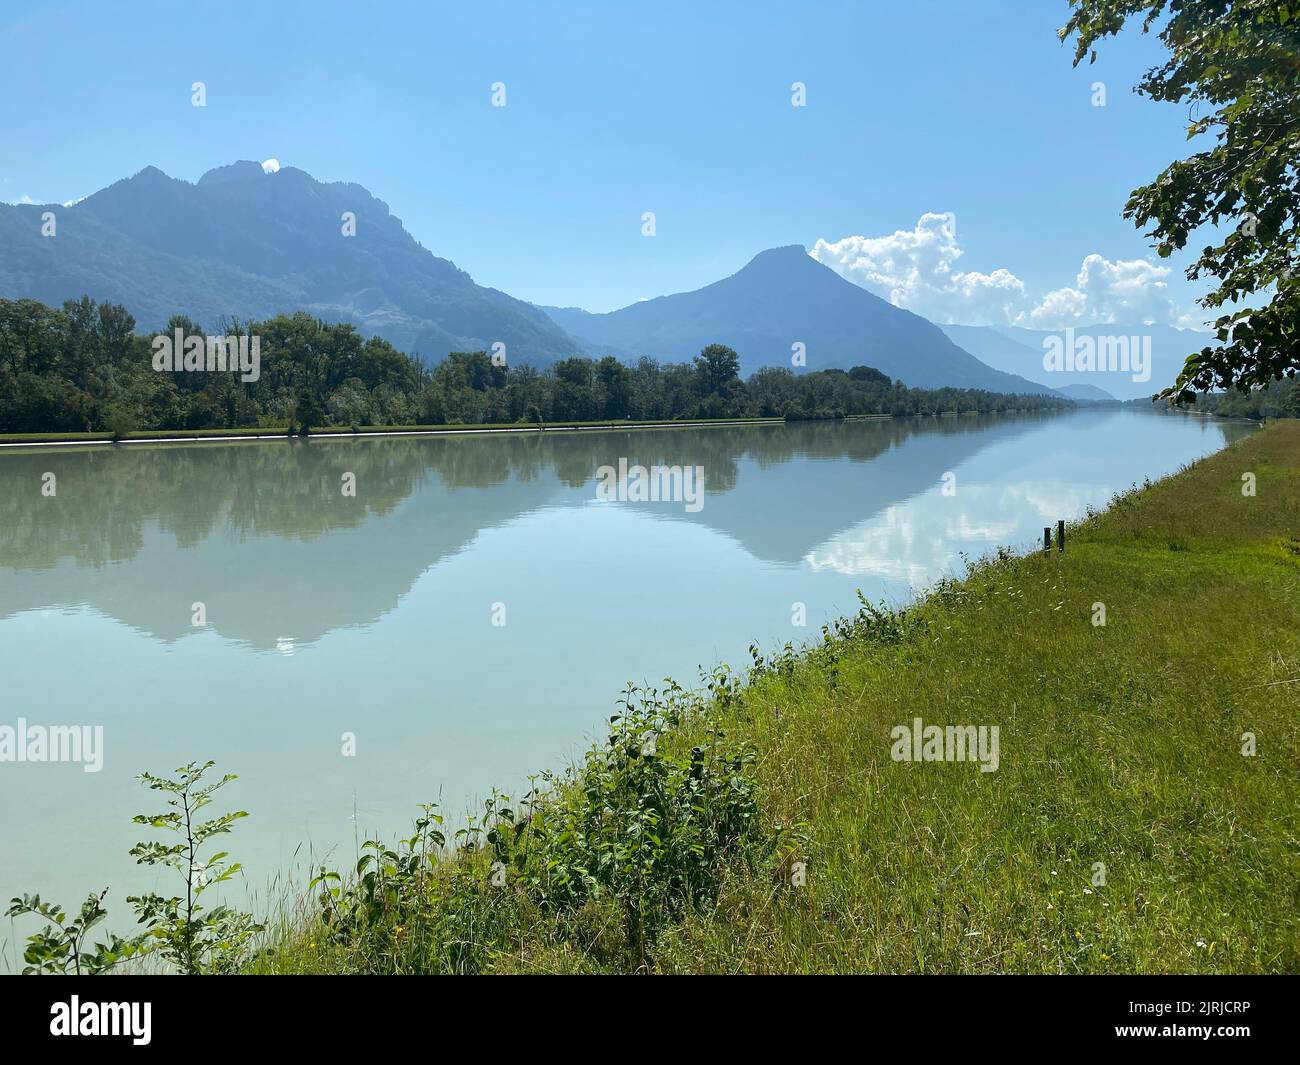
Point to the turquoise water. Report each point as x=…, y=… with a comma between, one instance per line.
x=374, y=614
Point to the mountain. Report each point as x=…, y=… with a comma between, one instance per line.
x=242, y=242
x=1086, y=394
x=1015, y=350
x=994, y=347
x=783, y=297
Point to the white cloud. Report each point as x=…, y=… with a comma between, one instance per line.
x=270, y=166
x=1132, y=291
x=27, y=201
x=917, y=269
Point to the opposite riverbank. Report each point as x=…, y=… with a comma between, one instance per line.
x=1142, y=815
x=171, y=436
x=178, y=436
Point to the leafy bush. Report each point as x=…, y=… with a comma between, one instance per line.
x=645, y=828
x=646, y=825
x=644, y=822
x=193, y=939
x=404, y=909
x=60, y=947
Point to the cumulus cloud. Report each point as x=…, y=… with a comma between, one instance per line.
x=270, y=166
x=917, y=269
x=1124, y=290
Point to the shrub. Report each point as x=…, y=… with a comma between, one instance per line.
x=646, y=826
x=644, y=822
x=192, y=938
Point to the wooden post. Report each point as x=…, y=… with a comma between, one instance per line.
x=1060, y=535
x=1047, y=537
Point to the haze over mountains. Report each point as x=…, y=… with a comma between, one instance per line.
x=1020, y=351
x=245, y=243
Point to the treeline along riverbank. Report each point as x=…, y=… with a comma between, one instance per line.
x=84, y=369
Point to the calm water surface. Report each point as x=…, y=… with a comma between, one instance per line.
x=373, y=615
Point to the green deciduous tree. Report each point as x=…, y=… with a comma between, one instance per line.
x=717, y=365
x=1236, y=64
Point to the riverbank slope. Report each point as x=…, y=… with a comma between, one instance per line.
x=1143, y=814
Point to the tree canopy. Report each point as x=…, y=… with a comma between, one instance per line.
x=84, y=369
x=1236, y=65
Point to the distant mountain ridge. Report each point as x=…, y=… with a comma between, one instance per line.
x=782, y=297
x=249, y=243
x=1086, y=394
x=242, y=242
x=1020, y=351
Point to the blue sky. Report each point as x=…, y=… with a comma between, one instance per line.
x=914, y=107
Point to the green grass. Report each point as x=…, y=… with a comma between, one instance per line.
x=1118, y=745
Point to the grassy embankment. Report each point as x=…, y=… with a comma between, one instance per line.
x=1119, y=744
